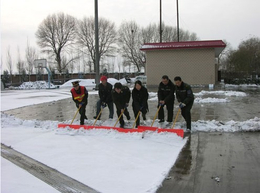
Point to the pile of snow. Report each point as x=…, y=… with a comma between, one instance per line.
x=35, y=85
x=210, y=100
x=242, y=85
x=88, y=83
x=229, y=126
x=220, y=92
x=199, y=96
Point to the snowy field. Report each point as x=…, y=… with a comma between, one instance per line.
x=107, y=161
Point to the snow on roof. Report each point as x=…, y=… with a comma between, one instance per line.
x=219, y=45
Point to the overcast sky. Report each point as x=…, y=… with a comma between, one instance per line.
x=230, y=20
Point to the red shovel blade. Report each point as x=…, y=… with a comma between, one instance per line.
x=179, y=132
x=147, y=128
x=100, y=127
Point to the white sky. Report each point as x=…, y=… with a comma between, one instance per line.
x=231, y=20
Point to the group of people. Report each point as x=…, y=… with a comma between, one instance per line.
x=120, y=96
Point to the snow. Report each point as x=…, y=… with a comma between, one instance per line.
x=220, y=92
x=105, y=160
x=35, y=85
x=16, y=179
x=122, y=162
x=88, y=83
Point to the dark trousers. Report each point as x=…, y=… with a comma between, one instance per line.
x=136, y=111
x=169, y=108
x=126, y=113
x=110, y=107
x=185, y=112
x=82, y=112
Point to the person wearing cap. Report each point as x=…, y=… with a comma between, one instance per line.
x=140, y=97
x=185, y=97
x=166, y=98
x=105, y=97
x=80, y=97
x=121, y=97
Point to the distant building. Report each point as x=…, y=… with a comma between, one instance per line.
x=194, y=61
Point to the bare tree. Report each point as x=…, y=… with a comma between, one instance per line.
x=151, y=34
x=9, y=63
x=30, y=55
x=56, y=34
x=130, y=40
x=20, y=63
x=107, y=37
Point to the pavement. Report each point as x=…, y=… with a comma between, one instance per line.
x=216, y=162
x=211, y=161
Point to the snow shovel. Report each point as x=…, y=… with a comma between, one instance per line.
x=119, y=117
x=98, y=116
x=176, y=118
x=136, y=119
x=156, y=115
x=75, y=115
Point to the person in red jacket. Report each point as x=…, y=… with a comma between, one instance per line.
x=80, y=97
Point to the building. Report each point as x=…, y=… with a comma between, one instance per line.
x=194, y=61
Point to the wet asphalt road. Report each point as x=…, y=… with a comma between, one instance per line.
x=210, y=162
x=238, y=109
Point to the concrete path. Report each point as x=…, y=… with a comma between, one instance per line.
x=217, y=162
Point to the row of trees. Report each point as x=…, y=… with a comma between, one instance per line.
x=65, y=41
x=244, y=61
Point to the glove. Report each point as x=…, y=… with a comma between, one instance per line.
x=103, y=105
x=162, y=105
x=126, y=105
x=181, y=105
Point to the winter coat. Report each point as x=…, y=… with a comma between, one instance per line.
x=104, y=92
x=120, y=99
x=166, y=92
x=140, y=98
x=184, y=93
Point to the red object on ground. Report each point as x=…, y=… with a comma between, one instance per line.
x=140, y=129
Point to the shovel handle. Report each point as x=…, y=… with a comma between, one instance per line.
x=98, y=116
x=176, y=118
x=119, y=117
x=136, y=118
x=155, y=115
x=75, y=115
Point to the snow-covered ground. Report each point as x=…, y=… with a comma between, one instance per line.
x=88, y=83
x=107, y=161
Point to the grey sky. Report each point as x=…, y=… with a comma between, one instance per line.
x=230, y=20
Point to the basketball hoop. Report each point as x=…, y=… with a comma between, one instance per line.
x=40, y=63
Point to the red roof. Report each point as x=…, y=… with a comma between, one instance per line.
x=219, y=45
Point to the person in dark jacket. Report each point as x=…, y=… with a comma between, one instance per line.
x=105, y=97
x=166, y=98
x=80, y=97
x=185, y=97
x=121, y=97
x=140, y=97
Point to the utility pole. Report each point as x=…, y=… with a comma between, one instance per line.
x=160, y=21
x=96, y=44
x=178, y=32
